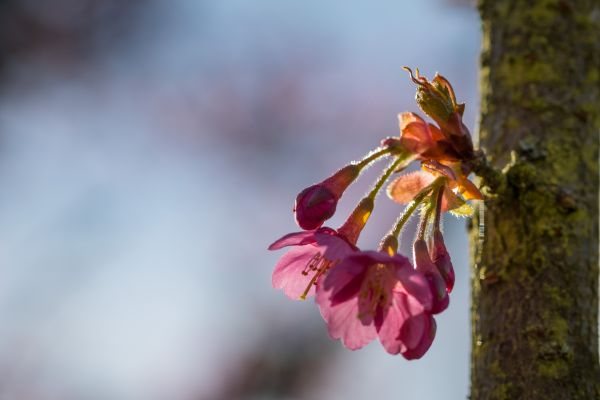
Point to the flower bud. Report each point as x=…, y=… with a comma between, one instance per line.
x=437, y=285
x=429, y=328
x=436, y=98
x=357, y=220
x=435, y=104
x=442, y=260
x=317, y=203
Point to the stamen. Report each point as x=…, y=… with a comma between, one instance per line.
x=319, y=265
x=312, y=264
x=374, y=292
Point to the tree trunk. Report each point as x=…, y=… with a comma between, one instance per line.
x=535, y=243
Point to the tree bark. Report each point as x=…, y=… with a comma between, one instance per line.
x=535, y=242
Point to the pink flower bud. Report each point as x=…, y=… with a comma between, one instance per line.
x=437, y=285
x=442, y=260
x=428, y=330
x=317, y=203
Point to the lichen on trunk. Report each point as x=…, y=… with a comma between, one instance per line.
x=535, y=242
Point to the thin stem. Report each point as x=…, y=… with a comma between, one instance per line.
x=438, y=207
x=412, y=206
x=423, y=224
x=392, y=167
x=373, y=155
x=358, y=218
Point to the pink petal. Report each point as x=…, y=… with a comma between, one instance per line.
x=408, y=118
x=414, y=133
x=343, y=281
x=398, y=313
x=349, y=290
x=369, y=257
x=372, y=308
x=426, y=339
x=415, y=284
x=389, y=332
x=288, y=272
x=343, y=323
x=293, y=239
x=406, y=187
x=333, y=247
x=302, y=238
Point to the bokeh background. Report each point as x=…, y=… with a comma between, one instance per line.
x=149, y=153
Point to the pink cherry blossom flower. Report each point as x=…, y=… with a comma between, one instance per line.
x=371, y=294
x=300, y=270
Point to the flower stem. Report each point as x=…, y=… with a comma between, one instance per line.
x=438, y=208
x=358, y=218
x=373, y=155
x=423, y=224
x=412, y=206
x=392, y=167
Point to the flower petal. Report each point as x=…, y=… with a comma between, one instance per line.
x=415, y=133
x=293, y=239
x=343, y=323
x=406, y=187
x=469, y=190
x=343, y=281
x=415, y=284
x=288, y=272
x=429, y=330
x=399, y=332
x=333, y=247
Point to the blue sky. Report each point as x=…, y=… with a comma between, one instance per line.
x=141, y=192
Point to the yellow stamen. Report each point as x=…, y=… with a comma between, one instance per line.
x=320, y=265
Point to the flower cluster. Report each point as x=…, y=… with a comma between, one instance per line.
x=367, y=294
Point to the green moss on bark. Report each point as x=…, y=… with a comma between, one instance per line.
x=535, y=245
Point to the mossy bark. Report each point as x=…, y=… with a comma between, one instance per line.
x=535, y=242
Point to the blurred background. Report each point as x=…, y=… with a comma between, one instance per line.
x=151, y=150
